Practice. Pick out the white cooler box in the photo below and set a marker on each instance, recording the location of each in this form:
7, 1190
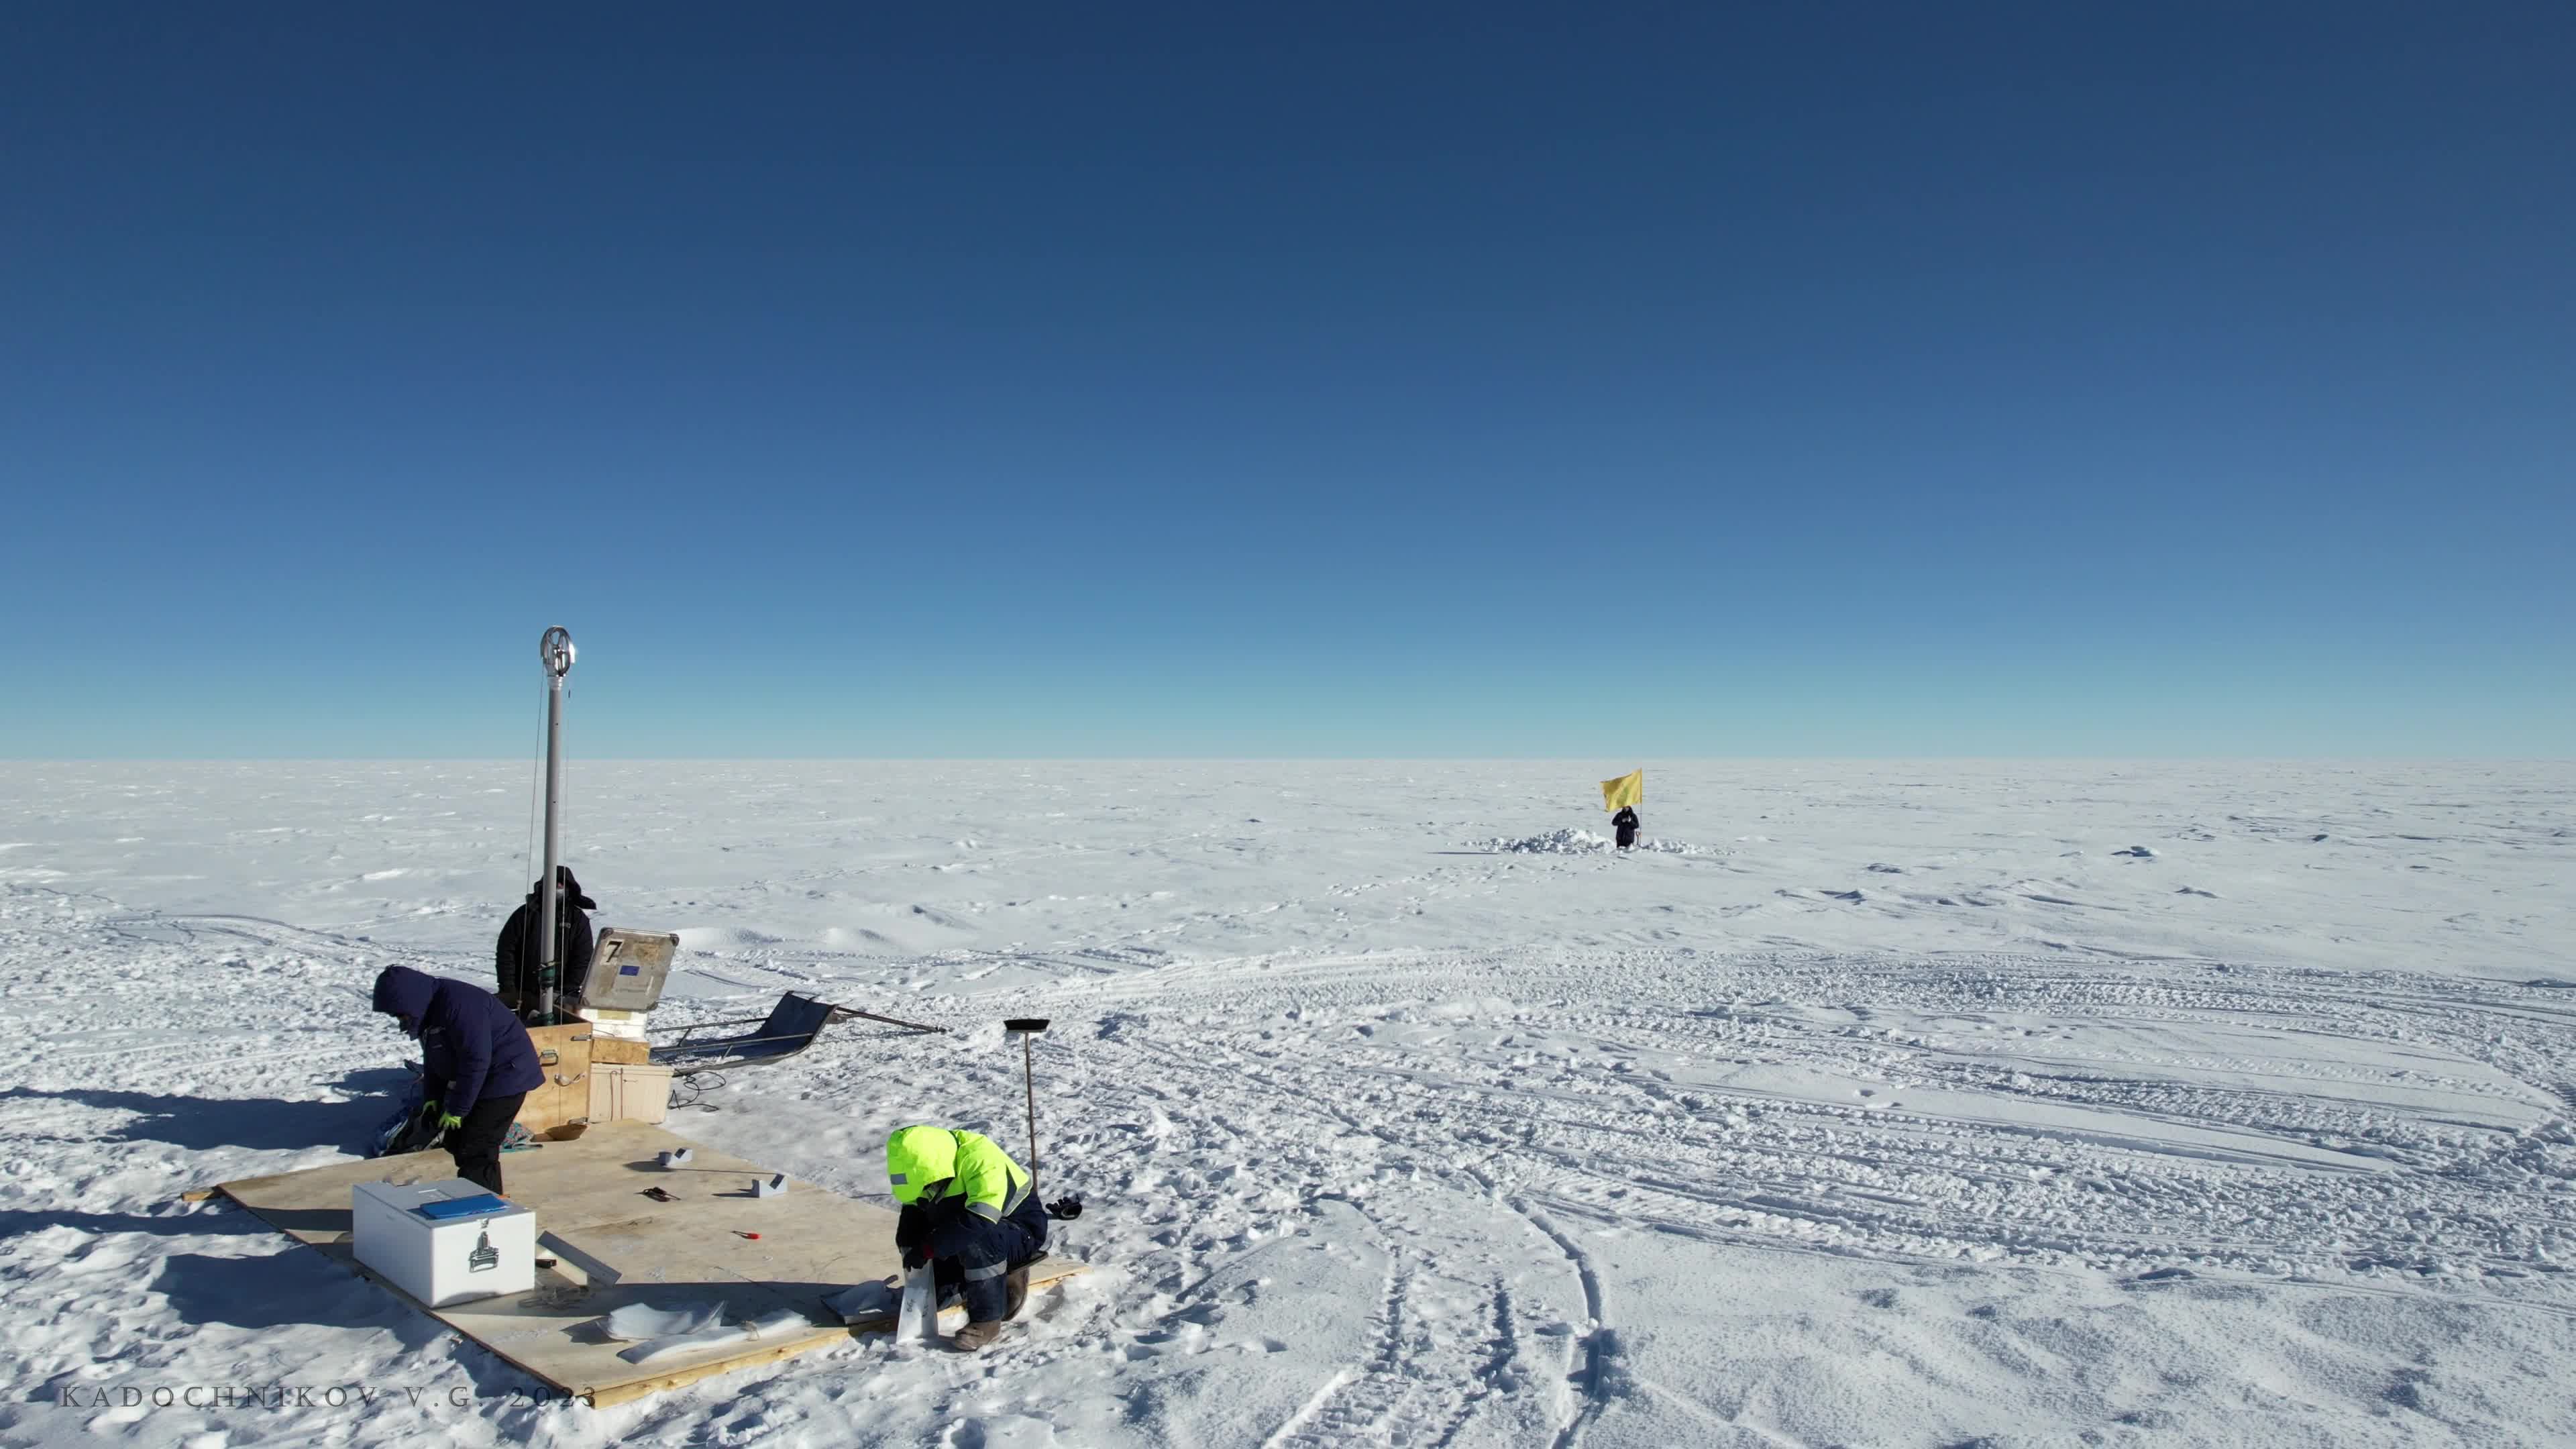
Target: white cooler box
439, 1263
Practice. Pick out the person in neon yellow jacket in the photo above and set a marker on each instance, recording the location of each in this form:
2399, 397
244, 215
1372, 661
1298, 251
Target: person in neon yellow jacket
973, 1214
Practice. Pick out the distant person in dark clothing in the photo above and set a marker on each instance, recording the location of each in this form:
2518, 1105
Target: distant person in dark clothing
521, 957
477, 1063
1625, 822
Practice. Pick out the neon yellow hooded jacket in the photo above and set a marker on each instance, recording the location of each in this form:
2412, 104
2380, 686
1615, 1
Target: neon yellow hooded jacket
933, 1164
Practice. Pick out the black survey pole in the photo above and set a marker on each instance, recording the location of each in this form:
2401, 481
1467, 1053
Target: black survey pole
554, 651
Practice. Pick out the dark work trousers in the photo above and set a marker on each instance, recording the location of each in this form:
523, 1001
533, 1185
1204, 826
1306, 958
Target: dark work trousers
476, 1145
972, 1257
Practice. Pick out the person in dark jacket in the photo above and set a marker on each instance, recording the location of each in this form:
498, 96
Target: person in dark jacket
477, 1060
521, 956
1625, 822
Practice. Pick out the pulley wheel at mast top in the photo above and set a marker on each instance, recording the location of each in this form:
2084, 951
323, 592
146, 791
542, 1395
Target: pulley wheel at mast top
554, 651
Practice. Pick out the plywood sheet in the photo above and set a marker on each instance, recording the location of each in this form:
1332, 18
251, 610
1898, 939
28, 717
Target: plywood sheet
589, 1198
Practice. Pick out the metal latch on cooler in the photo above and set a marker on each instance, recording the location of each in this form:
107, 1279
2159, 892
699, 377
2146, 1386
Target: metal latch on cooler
485, 1257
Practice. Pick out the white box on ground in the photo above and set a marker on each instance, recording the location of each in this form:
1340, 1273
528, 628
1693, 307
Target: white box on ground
439, 1263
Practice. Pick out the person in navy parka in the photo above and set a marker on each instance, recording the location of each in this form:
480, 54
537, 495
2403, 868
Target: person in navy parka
476, 1057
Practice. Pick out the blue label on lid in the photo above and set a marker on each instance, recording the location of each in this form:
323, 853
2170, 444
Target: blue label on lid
462, 1207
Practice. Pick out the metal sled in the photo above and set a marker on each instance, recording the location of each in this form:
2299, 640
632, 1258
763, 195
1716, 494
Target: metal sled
790, 1028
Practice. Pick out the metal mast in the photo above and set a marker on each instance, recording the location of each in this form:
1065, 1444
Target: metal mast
554, 651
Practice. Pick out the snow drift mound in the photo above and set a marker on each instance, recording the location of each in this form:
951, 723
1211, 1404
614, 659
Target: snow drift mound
1576, 842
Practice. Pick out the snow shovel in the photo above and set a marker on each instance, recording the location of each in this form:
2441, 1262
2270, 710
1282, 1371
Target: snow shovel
1027, 1029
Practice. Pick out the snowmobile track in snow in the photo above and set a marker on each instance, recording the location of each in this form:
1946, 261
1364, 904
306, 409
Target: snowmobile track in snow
2054, 1115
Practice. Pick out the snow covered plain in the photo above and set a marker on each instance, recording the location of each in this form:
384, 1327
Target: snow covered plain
1918, 1104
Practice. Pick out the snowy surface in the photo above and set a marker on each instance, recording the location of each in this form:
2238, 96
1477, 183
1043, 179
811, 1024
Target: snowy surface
1882, 1104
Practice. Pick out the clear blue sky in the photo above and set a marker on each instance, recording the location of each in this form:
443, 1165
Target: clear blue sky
1346, 379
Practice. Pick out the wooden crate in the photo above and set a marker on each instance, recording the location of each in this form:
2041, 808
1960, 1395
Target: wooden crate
563, 1100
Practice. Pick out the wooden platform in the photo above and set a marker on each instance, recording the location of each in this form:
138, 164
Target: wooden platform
616, 1246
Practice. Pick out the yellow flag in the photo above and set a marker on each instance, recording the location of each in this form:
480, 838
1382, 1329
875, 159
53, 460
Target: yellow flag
1628, 789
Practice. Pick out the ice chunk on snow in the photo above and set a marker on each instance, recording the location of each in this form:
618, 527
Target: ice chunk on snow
637, 1322
779, 1323
685, 1343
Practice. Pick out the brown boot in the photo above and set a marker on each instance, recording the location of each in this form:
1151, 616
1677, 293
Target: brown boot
976, 1337
1018, 1283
